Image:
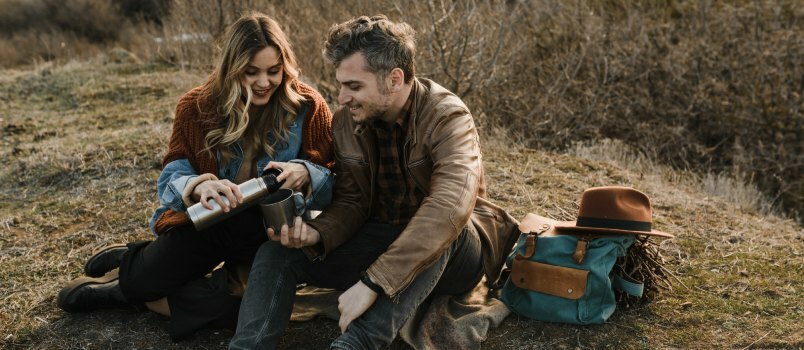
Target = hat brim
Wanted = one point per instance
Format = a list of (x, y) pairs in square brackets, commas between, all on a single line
[(570, 226)]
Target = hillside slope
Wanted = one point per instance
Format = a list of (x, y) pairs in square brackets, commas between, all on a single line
[(81, 146)]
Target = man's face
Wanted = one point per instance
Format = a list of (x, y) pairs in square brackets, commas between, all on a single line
[(361, 91)]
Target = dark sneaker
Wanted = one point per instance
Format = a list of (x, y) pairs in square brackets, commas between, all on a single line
[(86, 294), (105, 260)]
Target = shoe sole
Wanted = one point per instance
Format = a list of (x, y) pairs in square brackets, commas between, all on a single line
[(97, 255), (67, 292)]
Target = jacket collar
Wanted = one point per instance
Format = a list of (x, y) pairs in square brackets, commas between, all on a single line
[(419, 93)]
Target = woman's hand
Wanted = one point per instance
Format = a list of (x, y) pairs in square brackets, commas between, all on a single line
[(295, 175), (213, 189), (298, 236)]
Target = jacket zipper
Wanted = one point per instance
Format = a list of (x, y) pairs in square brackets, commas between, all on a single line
[(395, 297), (372, 159)]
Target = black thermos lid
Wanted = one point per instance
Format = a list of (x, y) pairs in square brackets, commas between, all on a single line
[(269, 176)]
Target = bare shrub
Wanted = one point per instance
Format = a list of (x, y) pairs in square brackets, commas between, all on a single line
[(454, 38), (21, 14), (95, 20), (149, 10), (35, 46), (51, 30), (7, 51)]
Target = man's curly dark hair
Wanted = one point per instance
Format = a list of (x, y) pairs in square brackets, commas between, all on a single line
[(385, 44)]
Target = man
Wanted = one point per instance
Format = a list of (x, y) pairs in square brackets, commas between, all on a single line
[(408, 217)]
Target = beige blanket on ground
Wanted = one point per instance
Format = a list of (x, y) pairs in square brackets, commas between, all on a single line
[(442, 321)]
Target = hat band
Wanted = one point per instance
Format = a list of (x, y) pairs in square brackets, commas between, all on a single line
[(627, 225)]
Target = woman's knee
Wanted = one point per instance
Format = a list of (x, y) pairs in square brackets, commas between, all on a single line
[(140, 280)]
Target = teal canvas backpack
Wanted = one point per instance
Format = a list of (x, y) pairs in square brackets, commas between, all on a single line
[(563, 271)]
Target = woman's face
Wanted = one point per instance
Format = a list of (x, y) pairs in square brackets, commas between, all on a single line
[(263, 75)]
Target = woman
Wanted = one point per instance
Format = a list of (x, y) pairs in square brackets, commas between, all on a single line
[(252, 114)]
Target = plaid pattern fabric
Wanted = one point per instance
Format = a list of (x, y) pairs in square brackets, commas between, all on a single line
[(397, 195)]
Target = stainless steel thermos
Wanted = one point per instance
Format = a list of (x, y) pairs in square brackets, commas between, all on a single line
[(252, 190)]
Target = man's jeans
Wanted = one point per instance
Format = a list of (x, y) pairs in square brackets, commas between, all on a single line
[(268, 301)]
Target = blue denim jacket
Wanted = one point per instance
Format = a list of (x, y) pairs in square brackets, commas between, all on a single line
[(176, 174)]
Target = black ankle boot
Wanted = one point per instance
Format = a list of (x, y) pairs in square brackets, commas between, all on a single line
[(105, 260), (87, 294)]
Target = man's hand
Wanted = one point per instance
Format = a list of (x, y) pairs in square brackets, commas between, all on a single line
[(354, 302), (295, 175), (299, 236)]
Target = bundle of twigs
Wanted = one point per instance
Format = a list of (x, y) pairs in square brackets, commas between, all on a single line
[(644, 263)]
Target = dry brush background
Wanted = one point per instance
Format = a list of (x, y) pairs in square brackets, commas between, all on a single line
[(698, 103), (711, 86)]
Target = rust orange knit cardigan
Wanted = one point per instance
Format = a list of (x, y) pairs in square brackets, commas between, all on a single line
[(195, 117)]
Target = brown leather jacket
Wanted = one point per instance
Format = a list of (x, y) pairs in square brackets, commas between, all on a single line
[(442, 154)]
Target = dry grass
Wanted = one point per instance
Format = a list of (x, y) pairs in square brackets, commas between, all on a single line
[(709, 86), (738, 192), (80, 146)]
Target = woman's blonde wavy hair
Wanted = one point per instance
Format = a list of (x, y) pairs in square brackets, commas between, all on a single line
[(243, 40)]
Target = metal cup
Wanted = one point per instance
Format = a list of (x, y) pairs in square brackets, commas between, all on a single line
[(280, 208)]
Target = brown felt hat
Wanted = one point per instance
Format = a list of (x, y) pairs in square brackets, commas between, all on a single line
[(613, 209)]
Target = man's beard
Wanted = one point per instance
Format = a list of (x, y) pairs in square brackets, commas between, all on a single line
[(376, 111)]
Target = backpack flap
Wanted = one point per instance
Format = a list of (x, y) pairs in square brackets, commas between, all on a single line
[(564, 282)]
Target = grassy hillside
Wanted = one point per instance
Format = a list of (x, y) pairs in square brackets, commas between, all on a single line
[(710, 86), (81, 146)]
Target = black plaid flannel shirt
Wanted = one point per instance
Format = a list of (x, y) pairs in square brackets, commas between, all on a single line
[(398, 198)]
